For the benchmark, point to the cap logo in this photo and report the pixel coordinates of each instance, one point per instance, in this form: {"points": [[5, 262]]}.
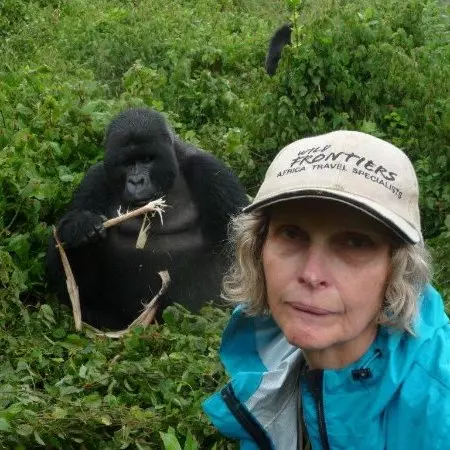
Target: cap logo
{"points": [[324, 158]]}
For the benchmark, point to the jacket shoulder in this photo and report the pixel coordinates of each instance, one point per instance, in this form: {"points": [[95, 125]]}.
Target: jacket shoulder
{"points": [[422, 403], [433, 362]]}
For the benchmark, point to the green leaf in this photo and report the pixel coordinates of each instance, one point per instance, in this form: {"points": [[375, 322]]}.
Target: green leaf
{"points": [[38, 438], [68, 390], [170, 440], [106, 420], [190, 443], [59, 413], [24, 429], [66, 178], [82, 372], [4, 425]]}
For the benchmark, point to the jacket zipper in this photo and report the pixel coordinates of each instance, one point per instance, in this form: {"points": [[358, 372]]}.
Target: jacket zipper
{"points": [[246, 420], [315, 379]]}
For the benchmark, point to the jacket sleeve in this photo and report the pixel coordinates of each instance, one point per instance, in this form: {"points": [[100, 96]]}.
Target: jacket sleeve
{"points": [[419, 416]]}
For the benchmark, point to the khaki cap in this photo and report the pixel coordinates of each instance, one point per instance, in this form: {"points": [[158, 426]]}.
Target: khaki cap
{"points": [[351, 167]]}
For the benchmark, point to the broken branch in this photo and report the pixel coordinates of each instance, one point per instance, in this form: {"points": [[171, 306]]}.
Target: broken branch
{"points": [[147, 316], [72, 287], [154, 206]]}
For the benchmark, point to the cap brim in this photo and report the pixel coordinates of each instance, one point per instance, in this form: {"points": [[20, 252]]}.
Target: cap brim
{"points": [[396, 223]]}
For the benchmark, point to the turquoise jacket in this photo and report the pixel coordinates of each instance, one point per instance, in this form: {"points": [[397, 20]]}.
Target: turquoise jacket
{"points": [[395, 397]]}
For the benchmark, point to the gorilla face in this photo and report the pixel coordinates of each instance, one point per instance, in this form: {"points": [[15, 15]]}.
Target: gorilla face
{"points": [[140, 160]]}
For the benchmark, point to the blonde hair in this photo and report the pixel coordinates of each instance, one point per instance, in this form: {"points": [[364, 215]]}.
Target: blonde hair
{"points": [[244, 282]]}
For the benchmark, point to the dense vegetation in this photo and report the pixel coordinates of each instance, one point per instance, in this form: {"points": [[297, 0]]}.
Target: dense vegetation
{"points": [[67, 67]]}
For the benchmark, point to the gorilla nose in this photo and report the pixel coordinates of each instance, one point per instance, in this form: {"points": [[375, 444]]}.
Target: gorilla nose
{"points": [[138, 189], [136, 180]]}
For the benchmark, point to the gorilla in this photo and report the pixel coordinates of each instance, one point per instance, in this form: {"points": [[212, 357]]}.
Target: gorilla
{"points": [[145, 160], [281, 37]]}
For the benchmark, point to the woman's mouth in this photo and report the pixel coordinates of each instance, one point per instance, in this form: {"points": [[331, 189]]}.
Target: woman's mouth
{"points": [[311, 309]]}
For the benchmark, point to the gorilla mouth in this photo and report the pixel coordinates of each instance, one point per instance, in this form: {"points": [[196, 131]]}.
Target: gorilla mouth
{"points": [[140, 203], [137, 203], [144, 198]]}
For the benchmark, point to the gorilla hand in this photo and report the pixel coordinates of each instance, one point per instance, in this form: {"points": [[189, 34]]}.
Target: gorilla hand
{"points": [[81, 227]]}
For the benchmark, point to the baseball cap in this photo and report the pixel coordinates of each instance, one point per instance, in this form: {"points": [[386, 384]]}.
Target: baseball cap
{"points": [[351, 167]]}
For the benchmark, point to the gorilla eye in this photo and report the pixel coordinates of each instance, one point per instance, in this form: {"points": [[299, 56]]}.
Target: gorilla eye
{"points": [[148, 159]]}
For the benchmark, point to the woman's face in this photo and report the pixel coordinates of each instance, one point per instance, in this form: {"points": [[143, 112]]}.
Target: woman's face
{"points": [[326, 267]]}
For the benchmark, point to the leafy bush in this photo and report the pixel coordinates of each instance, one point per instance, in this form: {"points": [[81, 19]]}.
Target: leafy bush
{"points": [[67, 390]]}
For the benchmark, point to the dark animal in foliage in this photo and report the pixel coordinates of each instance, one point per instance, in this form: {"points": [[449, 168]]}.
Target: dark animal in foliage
{"points": [[144, 161], [279, 40]]}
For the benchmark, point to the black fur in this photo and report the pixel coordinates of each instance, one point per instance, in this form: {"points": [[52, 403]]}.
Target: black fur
{"points": [[145, 160], [281, 37]]}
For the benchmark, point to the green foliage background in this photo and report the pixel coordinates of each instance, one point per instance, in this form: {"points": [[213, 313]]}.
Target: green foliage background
{"points": [[66, 67]]}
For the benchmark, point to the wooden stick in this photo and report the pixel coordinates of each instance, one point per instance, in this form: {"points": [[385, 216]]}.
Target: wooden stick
{"points": [[147, 316], [72, 287], [156, 205]]}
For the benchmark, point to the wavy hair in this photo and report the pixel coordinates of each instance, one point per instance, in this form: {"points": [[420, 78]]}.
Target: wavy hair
{"points": [[244, 283]]}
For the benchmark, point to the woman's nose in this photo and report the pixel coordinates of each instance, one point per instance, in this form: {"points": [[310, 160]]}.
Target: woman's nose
{"points": [[313, 270]]}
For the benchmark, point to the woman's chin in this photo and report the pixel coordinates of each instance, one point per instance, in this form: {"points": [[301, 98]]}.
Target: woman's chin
{"points": [[309, 337]]}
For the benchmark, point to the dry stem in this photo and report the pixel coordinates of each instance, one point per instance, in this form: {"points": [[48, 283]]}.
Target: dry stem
{"points": [[156, 205], [146, 317], [72, 287]]}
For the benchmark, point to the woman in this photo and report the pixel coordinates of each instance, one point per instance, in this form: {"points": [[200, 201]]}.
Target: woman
{"points": [[339, 341]]}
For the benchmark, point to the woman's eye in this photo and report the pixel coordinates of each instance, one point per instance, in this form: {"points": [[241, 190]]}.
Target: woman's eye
{"points": [[291, 232], [356, 240]]}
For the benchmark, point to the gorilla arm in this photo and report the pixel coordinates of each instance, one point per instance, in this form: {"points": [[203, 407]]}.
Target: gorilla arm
{"points": [[82, 224], [216, 191]]}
